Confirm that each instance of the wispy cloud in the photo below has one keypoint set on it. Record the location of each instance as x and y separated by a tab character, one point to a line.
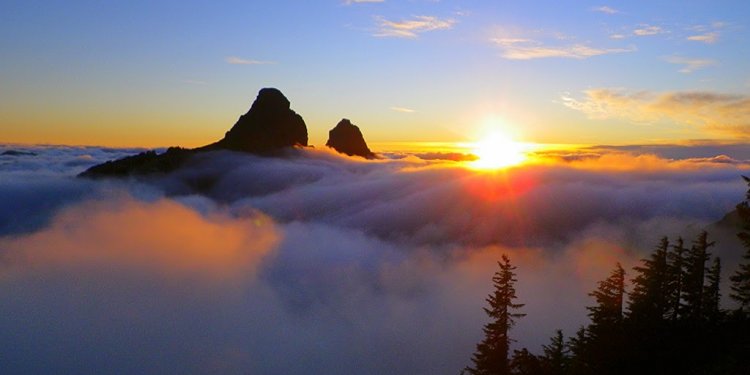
605	9
350	2
403	109
412	27
689	65
708	34
527	49
709	38
647	30
714	111
240	61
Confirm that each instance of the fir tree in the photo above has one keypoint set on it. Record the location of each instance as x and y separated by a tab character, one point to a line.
577	347
608	296
711	292
525	363
675	284
491	356
555	359
649	298
741	278
695	275
605	331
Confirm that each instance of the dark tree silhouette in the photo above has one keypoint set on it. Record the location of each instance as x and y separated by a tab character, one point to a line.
649	299
695	275
525	363
608	296
491	356
711	292
555	360
741	278
577	347
605	331
676	271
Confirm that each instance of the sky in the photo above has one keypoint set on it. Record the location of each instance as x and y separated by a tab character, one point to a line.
148	74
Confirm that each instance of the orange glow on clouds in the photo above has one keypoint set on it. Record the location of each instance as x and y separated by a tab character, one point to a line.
164	237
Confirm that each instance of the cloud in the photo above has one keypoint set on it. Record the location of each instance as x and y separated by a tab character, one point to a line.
176	242
35	181
411	28
403	109
606	10
708	38
690	65
235	263
240	61
714	111
350	2
708	34
648	30
527	49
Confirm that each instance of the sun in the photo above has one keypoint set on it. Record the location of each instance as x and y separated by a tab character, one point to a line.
497	151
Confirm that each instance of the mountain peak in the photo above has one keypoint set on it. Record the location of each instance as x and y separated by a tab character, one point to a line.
346	138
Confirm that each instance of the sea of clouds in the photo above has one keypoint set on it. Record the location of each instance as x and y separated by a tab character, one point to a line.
319	263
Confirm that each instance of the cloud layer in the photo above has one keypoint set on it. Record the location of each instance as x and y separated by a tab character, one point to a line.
237	263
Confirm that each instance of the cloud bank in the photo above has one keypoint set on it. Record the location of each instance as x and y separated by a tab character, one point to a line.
237	263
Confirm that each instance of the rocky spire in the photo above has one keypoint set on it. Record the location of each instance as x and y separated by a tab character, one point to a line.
346	138
269	125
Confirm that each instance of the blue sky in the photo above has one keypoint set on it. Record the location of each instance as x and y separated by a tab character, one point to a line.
160	73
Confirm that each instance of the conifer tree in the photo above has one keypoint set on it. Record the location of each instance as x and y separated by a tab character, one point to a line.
491	356
525	363
608	296
577	347
741	278
711	292
649	297
695	275
675	284
555	359
605	338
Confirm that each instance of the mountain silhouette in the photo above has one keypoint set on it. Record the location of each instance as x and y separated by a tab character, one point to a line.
346	138
269	127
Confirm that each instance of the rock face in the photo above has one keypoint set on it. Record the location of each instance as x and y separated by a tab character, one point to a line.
269	125
346	138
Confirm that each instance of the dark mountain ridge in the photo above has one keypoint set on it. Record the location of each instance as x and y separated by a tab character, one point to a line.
268	128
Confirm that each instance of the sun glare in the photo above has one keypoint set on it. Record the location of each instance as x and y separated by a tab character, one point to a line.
497	151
